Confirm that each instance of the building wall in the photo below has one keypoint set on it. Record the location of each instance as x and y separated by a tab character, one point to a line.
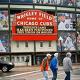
20	47
18	60
47	46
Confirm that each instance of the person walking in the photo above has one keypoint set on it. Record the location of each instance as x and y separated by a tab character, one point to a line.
67	65
44	66
54	66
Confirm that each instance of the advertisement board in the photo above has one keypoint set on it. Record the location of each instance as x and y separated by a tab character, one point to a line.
4	1
49	2
34	25
67	41
21	1
66	21
78	40
78	3
4	20
4	42
78	21
78	31
16	1
56	2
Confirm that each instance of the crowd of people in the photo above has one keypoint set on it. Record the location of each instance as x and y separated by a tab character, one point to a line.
53	63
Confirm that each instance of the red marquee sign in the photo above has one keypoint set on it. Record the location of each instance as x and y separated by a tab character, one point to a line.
34	25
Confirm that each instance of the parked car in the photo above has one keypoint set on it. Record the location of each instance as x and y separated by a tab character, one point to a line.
5	66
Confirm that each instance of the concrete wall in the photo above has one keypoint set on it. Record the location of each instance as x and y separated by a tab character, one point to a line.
22	48
18	60
46	47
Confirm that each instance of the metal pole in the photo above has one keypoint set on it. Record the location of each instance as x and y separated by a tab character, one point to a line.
76	36
9	31
61	45
34	55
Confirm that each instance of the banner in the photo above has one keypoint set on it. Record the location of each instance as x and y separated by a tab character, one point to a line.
4	20
16	1
21	1
4	41
66	21
56	2
66	41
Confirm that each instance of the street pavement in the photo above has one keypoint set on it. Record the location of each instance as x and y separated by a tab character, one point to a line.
34	73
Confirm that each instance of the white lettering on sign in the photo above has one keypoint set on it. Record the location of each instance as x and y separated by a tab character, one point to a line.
33	14
26	14
34	23
43	15
26	23
46	23
34	30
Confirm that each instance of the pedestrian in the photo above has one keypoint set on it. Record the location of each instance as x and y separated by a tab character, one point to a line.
54	66
44	66
67	65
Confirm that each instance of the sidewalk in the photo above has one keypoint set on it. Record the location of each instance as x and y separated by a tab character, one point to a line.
37	68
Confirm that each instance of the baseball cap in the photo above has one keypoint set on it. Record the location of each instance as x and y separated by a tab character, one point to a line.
56	54
68	54
48	54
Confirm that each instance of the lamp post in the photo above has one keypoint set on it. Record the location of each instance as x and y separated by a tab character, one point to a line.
60	40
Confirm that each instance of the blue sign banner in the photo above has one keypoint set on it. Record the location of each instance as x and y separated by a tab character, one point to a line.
16	1
4	1
22	1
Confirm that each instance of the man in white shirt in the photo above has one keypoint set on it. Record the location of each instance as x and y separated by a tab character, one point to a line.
68	44
67	66
65	23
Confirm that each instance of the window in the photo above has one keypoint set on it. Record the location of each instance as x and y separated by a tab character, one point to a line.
26	44
7	59
41	44
17	44
13	59
49	43
27	58
22	59
2	58
18	59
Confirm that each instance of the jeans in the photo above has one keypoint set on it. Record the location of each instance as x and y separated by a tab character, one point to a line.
54	75
45	74
67	75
